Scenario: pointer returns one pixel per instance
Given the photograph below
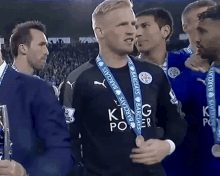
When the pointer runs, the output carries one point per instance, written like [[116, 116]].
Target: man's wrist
[[172, 146]]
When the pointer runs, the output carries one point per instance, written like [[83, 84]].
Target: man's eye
[[201, 31], [145, 25]]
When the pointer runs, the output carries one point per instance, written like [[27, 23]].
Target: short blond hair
[[108, 6]]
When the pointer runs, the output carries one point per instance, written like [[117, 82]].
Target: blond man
[[112, 102]]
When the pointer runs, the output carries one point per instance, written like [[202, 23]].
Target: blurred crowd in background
[[64, 58]]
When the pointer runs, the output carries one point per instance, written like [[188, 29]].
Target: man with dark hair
[[205, 88], [29, 46], [115, 98], [34, 115], [205, 102], [189, 22], [154, 27], [189, 19]]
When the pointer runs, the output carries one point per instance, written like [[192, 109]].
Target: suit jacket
[[41, 142]]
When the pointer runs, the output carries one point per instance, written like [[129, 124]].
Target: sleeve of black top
[[169, 113], [73, 99], [62, 88]]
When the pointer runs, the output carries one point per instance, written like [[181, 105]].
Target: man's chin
[[144, 49], [127, 51], [40, 68]]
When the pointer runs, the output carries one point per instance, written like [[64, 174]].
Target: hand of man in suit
[[150, 152], [11, 168]]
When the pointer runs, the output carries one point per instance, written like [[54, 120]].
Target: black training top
[[106, 137]]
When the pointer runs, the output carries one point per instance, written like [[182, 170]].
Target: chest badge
[[145, 77], [173, 72]]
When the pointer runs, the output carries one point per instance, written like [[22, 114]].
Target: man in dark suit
[[34, 115], [28, 44]]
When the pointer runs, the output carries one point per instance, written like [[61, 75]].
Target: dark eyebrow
[[200, 29], [142, 24], [133, 22], [122, 23], [145, 23], [43, 43]]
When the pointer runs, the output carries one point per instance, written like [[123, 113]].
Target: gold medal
[[216, 150], [139, 140]]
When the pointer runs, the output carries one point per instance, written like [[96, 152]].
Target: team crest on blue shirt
[[173, 72], [69, 114], [145, 77]]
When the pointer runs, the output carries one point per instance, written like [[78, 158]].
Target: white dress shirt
[[2, 68]]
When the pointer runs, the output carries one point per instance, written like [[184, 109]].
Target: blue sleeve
[[51, 128], [177, 59]]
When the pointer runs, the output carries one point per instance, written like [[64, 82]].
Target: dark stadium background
[[72, 18]]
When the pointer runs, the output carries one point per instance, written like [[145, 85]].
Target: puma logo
[[98, 83], [201, 80], [71, 85]]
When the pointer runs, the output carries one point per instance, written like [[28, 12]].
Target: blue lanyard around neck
[[15, 68], [210, 94], [134, 122], [165, 69]]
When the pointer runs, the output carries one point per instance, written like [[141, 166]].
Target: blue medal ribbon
[[15, 68], [165, 65], [211, 101], [135, 122]]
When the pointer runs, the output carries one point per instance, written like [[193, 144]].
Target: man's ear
[[185, 27], [99, 32], [165, 30], [22, 48]]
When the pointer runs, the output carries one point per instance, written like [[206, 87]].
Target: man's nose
[[196, 36], [131, 30], [46, 51]]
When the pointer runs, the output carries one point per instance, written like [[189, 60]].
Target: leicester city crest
[[173, 72], [69, 114], [145, 77]]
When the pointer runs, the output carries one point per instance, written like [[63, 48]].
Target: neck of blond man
[[113, 59]]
